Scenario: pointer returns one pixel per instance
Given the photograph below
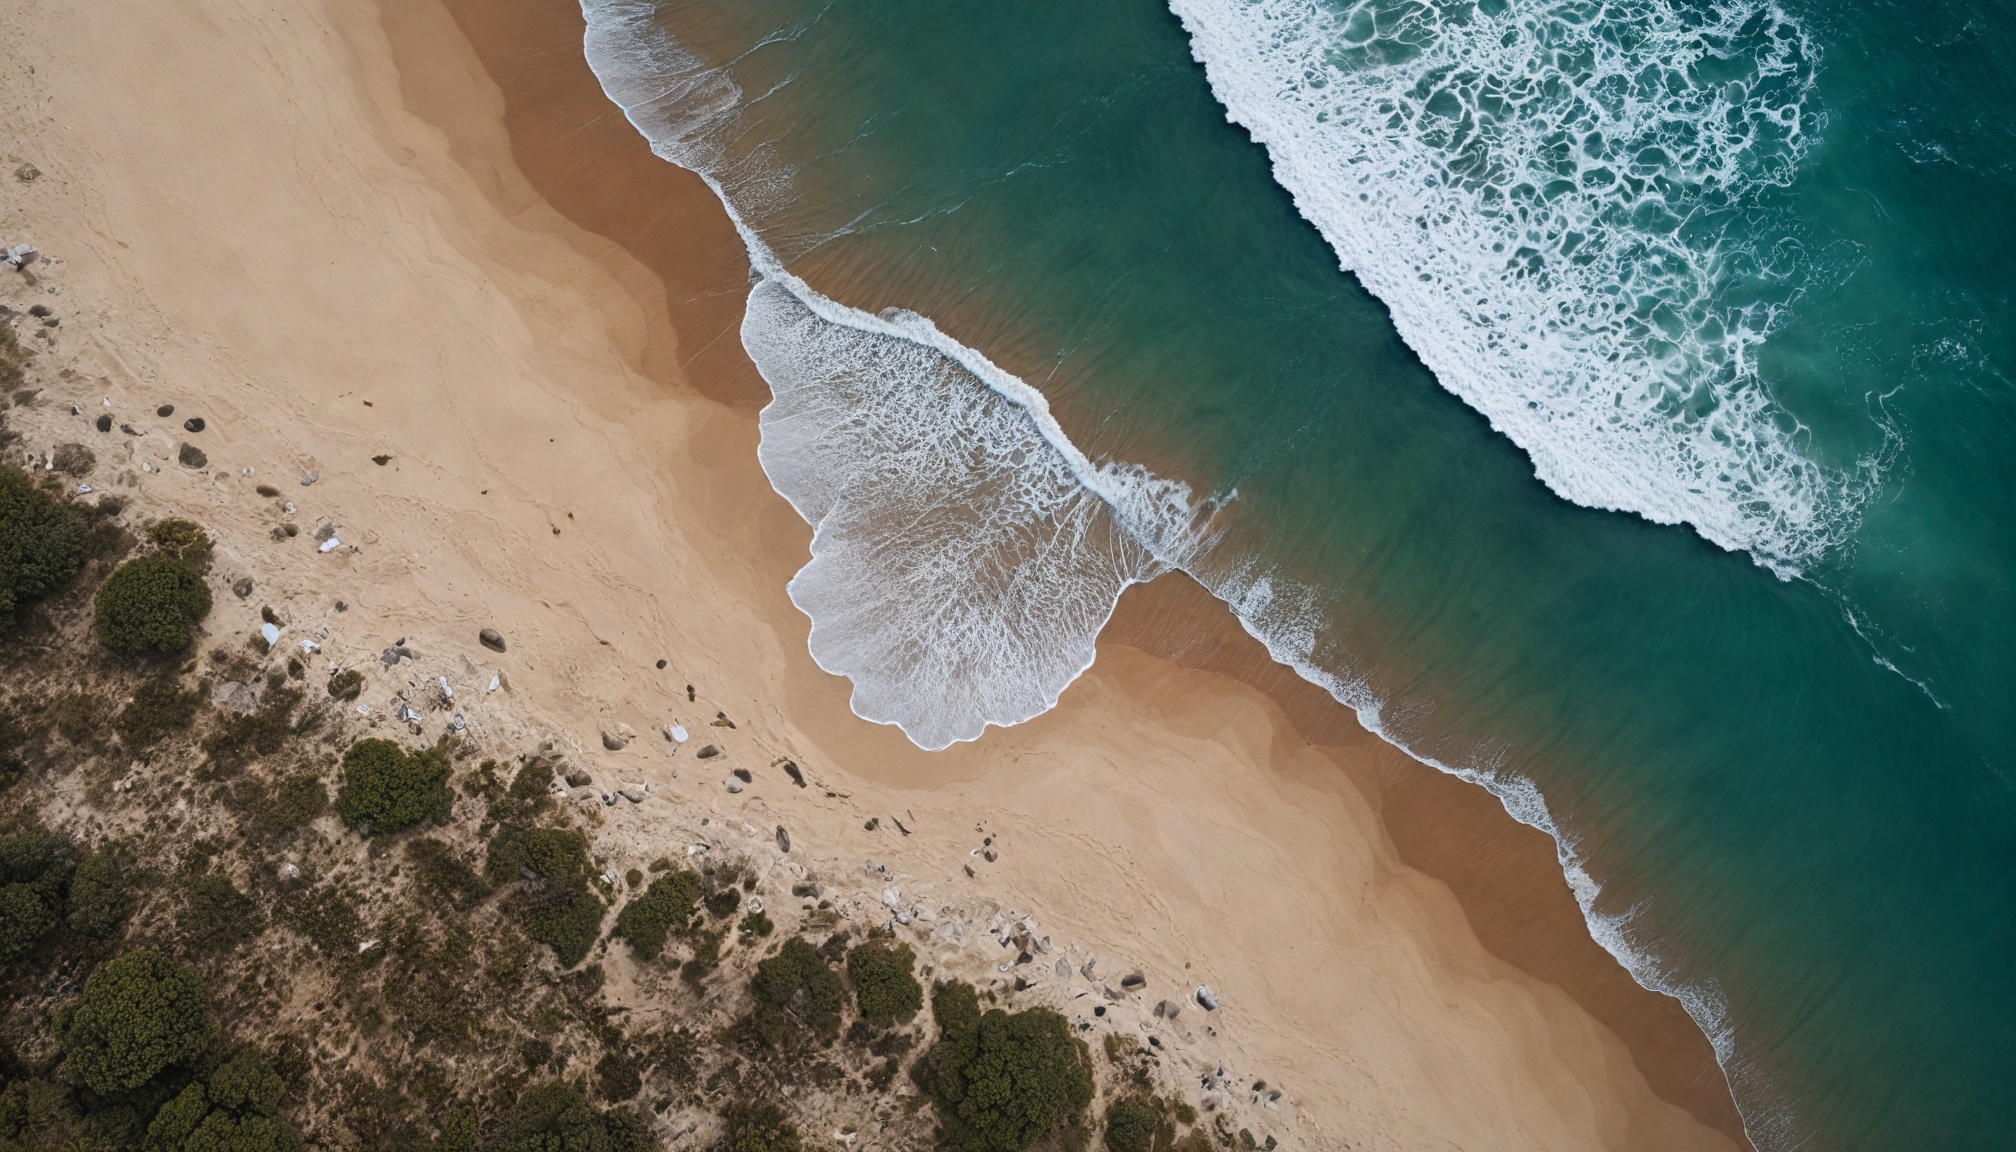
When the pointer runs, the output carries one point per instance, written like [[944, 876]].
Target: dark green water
[[1654, 462]]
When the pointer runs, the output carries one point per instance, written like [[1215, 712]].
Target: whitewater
[[966, 553]]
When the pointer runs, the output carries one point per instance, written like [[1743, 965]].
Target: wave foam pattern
[[965, 552], [1560, 202]]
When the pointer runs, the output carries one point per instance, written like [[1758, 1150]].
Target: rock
[[290, 872], [1085, 969], [73, 460], [734, 785], [381, 460], [21, 255], [105, 423], [744, 776], [661, 665], [193, 424], [578, 779], [310, 478], [872, 824], [1063, 968], [1133, 980], [232, 696], [990, 855], [808, 890], [342, 606], [675, 733], [40, 311], [165, 411], [634, 793], [796, 776], [268, 491], [491, 638], [721, 721], [27, 173], [1167, 1009], [613, 742], [242, 587], [783, 839], [192, 456], [708, 753], [1205, 999], [1110, 994]]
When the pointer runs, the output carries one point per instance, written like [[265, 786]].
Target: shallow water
[[1611, 402]]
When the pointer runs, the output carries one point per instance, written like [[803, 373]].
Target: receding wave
[[1563, 203], [965, 552]]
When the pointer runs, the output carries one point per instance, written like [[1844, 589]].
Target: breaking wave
[[1562, 202]]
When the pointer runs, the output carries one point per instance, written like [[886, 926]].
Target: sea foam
[[966, 553], [1565, 206]]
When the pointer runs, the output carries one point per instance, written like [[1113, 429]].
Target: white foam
[[1562, 203], [965, 552]]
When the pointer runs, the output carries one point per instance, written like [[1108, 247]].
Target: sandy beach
[[407, 249]]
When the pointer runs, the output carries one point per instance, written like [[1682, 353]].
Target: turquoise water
[[1611, 402]]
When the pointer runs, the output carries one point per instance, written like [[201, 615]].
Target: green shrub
[[555, 1118], [760, 1126], [668, 904], [100, 896], [617, 1077], [138, 1015], [441, 875], [885, 992], [237, 1110], [1001, 1081], [386, 788], [159, 707], [795, 983], [80, 717], [327, 916], [555, 906], [218, 916], [149, 604], [241, 739], [1131, 1123], [36, 866], [41, 543], [297, 801], [346, 685], [185, 540]]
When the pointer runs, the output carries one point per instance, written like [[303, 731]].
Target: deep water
[[1611, 401]]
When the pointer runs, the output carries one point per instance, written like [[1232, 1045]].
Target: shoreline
[[1450, 830], [589, 316]]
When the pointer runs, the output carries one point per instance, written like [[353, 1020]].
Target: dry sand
[[341, 231]]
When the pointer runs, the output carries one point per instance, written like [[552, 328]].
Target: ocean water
[[1612, 402]]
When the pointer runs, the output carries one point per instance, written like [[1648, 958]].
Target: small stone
[[27, 173], [324, 531], [613, 742], [1206, 999], [39, 311], [268, 491], [290, 872], [242, 587], [1110, 994], [991, 855], [635, 794], [792, 771], [809, 890], [381, 460], [1133, 980], [389, 657], [192, 456], [661, 664], [743, 775], [342, 605], [969, 870], [310, 478], [1063, 968], [492, 639], [873, 823], [287, 531], [721, 721], [578, 779], [193, 424], [783, 839], [105, 423], [708, 752], [165, 411], [232, 696], [734, 785], [1167, 1009]]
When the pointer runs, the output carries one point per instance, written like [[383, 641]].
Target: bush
[[617, 1076], [218, 916], [148, 605], [346, 685], [386, 788], [327, 916], [795, 983], [99, 896], [884, 989], [239, 740], [1001, 1081], [1131, 1123], [236, 1111], [760, 1127], [36, 866], [158, 708], [556, 907], [441, 875], [185, 540], [41, 543], [297, 801], [555, 1118], [138, 1015], [646, 921]]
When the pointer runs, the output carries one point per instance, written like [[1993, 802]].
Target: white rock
[[891, 897], [678, 734]]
